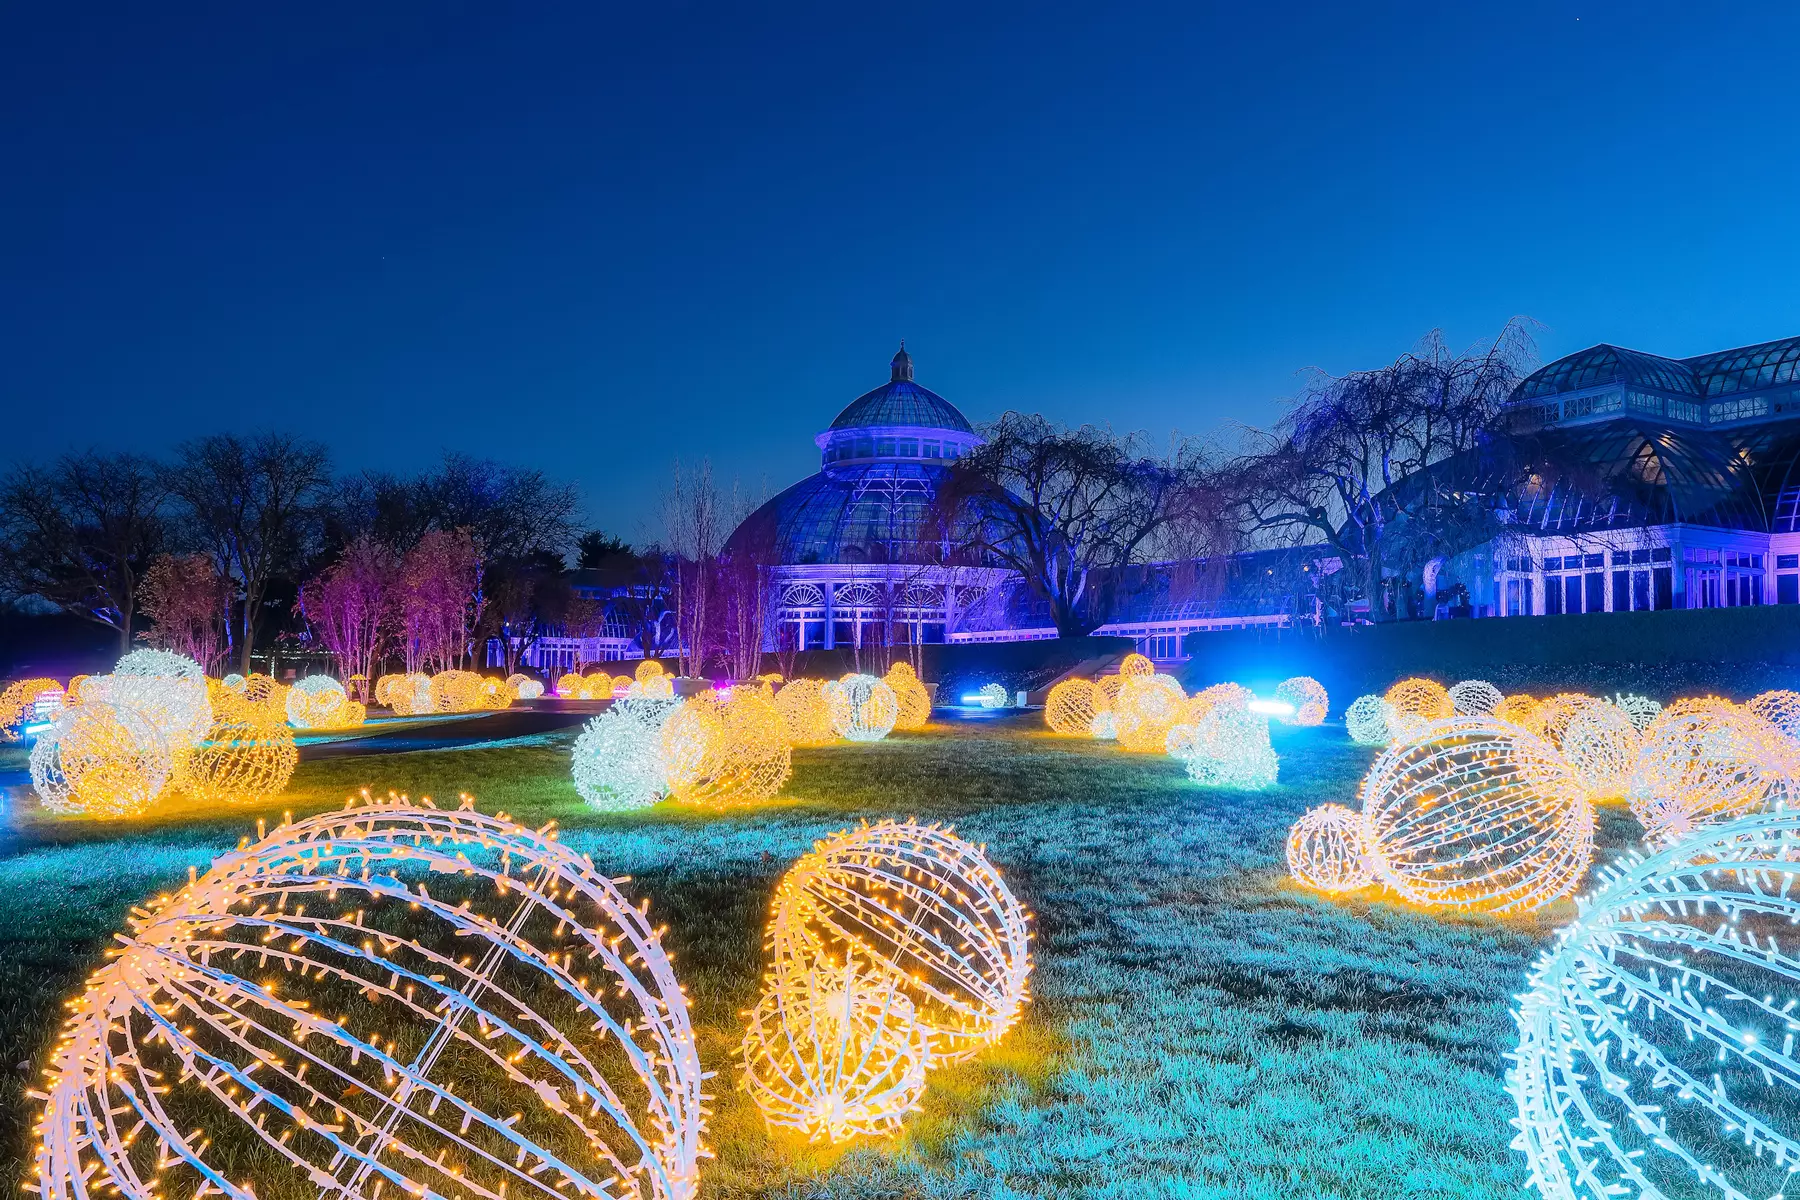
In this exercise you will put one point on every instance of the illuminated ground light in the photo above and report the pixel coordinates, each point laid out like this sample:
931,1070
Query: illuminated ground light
618,761
524,1036
1420,698
101,759
1069,708
1366,721
990,695
1656,1053
1474,698
805,713
19,707
1705,765
926,913
726,748
863,708
1327,851
1306,698
1477,814
835,1052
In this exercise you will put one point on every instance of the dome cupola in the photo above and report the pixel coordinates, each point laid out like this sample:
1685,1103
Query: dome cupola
897,421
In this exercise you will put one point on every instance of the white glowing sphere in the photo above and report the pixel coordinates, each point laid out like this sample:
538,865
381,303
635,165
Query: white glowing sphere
1103,727
1641,709
992,695
1704,764
1657,1052
618,759
101,758
1366,721
1308,698
863,708
168,688
1231,748
317,702
1475,698
235,682
1328,849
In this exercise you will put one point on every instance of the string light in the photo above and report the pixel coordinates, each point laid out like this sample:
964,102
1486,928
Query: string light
234,681
1656,1052
18,705
1069,708
168,688
727,748
390,996
925,913
805,713
1550,719
1780,708
319,702
655,686
1601,745
1641,709
102,759
1103,728
1477,814
1230,748
243,759
1516,709
1421,698
992,695
618,759
912,696
1704,764
863,708
1136,666
1366,721
835,1052
1327,850
1474,698
1146,708
649,669
1308,697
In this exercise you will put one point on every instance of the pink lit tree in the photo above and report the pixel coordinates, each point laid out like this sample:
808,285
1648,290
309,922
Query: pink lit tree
350,607
440,599
187,600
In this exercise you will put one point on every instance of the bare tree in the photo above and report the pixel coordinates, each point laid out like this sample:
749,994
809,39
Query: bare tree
741,586
80,533
254,505
692,521
1385,469
1068,508
352,606
527,599
186,600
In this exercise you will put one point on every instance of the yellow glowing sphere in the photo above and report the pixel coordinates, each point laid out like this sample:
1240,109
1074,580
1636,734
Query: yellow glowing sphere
1106,692
1475,698
495,694
569,685
911,695
1779,708
1477,814
410,695
385,1000
1136,666
835,1052
1516,709
1327,850
921,910
1307,697
1366,720
1146,708
319,702
1602,744
1420,698
863,708
18,704
726,748
805,713
1069,708
655,687
649,669
101,758
1551,719
242,759
457,692
1705,764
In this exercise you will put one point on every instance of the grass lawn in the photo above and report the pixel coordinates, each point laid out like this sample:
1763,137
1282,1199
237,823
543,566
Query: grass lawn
1200,1027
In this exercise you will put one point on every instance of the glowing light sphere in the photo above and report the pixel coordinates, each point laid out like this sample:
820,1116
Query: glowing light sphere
1106,692
1069,708
234,681
1550,719
1328,851
618,759
320,702
1641,709
1422,698
456,692
103,759
18,705
382,999
530,689
925,913
835,1052
1477,814
914,699
653,687
726,748
992,695
1103,728
1228,695
1308,697
1366,721
1602,745
649,669
1230,748
863,708
495,694
1136,666
1705,765
166,687
1779,708
569,685
1656,1052
410,695
243,759
1147,707
1516,709
1474,698
805,713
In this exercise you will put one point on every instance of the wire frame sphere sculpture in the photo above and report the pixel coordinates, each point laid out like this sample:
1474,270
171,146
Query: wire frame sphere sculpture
1230,748
1069,708
1106,691
992,695
1366,721
1656,1052
1516,709
1705,765
1550,720
912,696
1477,814
168,688
382,998
1641,709
242,759
1136,666
649,669
805,713
1307,697
618,759
18,705
1779,708
569,685
834,1051
1147,707
457,692
1421,698
1327,850
1601,745
1103,729
102,759
655,686
410,695
320,702
1227,695
1474,698
726,748
925,913
863,708
524,687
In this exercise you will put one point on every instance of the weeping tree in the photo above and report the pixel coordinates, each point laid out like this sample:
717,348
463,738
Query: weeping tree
1387,469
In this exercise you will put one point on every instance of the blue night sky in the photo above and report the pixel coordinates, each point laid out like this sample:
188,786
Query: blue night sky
594,239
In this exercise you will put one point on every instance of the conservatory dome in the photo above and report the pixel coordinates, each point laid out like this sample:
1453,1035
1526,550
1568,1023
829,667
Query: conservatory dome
882,460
